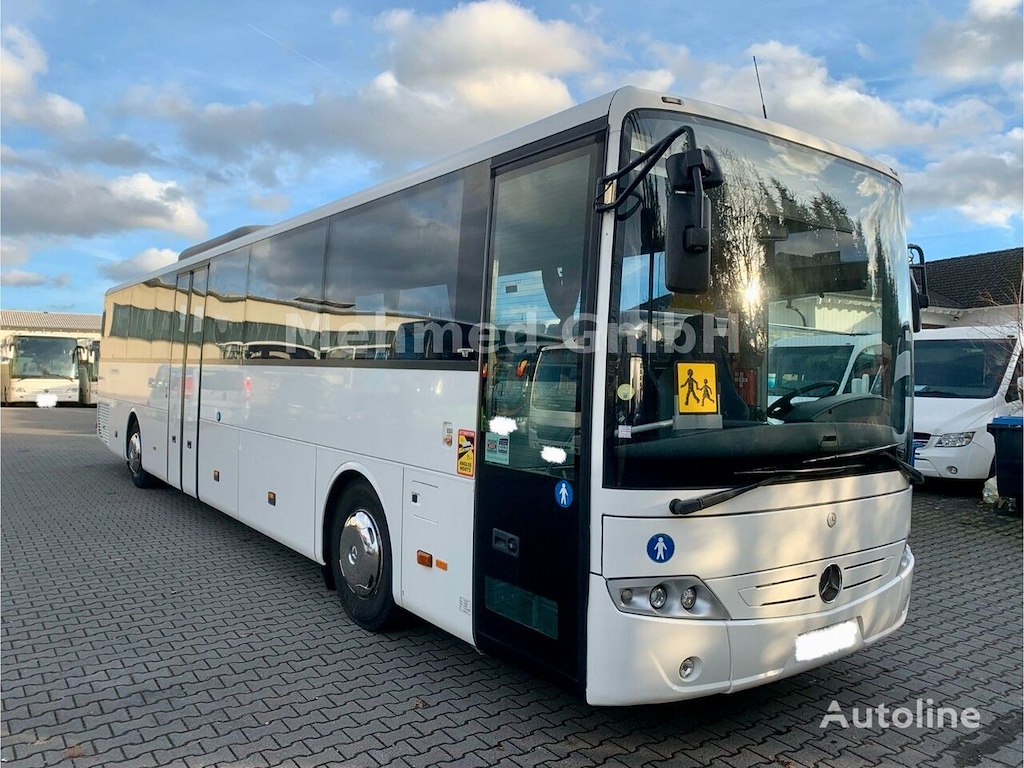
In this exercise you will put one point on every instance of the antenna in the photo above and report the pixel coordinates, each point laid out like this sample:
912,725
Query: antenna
763,110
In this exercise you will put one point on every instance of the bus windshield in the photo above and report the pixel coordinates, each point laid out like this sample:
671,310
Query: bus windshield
960,368
706,388
40,357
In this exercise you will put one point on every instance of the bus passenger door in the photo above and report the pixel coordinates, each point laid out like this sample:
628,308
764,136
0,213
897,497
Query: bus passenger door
185,371
531,528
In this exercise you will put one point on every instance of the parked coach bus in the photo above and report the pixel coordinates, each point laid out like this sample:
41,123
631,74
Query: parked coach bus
39,368
523,394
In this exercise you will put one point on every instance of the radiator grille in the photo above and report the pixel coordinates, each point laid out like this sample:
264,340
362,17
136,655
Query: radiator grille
103,421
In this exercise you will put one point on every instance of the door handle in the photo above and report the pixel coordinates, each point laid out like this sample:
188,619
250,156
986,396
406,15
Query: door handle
506,542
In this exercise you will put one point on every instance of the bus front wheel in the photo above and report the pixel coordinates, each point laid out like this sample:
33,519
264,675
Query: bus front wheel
361,558
140,477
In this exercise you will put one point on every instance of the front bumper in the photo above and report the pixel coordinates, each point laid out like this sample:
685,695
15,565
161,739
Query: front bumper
636,659
969,462
37,396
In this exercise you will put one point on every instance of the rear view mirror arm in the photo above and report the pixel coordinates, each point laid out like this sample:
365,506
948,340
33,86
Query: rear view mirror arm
649,159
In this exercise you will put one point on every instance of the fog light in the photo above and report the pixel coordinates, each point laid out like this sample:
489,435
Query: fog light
686,668
626,596
951,469
689,598
658,597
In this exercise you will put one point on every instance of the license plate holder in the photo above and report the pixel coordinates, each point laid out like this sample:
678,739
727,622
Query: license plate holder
827,641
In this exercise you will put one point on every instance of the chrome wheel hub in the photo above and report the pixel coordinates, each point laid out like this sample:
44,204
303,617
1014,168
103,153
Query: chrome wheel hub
359,550
135,453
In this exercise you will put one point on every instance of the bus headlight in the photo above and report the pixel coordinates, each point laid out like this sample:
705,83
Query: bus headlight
683,597
688,598
658,597
907,560
954,440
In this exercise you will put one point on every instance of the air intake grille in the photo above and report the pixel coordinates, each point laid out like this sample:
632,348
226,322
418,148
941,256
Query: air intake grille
103,421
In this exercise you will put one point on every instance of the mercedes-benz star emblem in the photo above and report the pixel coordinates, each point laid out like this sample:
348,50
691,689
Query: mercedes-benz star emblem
830,583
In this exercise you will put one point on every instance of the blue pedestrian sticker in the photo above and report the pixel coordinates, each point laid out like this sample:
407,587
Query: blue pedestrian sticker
660,548
563,493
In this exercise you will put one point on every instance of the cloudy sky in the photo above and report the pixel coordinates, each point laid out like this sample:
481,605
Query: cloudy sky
133,130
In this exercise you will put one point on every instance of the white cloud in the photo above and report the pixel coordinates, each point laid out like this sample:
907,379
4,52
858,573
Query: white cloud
140,264
22,60
993,9
340,16
448,81
986,45
168,102
494,56
983,181
17,278
865,51
270,203
76,203
800,91
12,252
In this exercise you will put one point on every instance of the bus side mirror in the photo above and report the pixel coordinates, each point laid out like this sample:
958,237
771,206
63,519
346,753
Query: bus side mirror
688,220
919,284
688,244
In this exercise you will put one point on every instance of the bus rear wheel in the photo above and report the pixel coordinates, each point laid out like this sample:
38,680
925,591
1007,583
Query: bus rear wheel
361,559
140,477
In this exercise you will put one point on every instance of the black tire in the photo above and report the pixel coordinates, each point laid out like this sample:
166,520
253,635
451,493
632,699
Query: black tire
360,542
133,453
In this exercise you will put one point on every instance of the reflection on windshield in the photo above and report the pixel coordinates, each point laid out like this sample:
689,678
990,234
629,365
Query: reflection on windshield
960,368
796,352
37,357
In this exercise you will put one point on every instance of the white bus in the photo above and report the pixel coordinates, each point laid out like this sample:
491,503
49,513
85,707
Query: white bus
612,266
39,368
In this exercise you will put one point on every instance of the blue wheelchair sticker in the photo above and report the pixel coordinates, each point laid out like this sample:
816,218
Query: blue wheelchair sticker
563,493
660,548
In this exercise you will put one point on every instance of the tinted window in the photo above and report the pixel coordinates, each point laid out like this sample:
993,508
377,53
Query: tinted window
225,304
541,237
284,289
404,273
121,313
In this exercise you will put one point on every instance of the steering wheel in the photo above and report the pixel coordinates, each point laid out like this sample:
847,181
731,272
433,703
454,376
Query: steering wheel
784,404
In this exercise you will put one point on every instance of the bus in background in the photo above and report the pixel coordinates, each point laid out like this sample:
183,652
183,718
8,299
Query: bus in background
88,356
963,379
584,469
40,368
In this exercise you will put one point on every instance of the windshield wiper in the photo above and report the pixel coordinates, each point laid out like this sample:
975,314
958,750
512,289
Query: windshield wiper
879,451
689,506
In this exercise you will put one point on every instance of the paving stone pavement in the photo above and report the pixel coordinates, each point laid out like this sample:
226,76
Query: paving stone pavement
142,628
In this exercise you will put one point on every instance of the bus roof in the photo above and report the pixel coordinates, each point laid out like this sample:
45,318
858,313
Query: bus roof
611,106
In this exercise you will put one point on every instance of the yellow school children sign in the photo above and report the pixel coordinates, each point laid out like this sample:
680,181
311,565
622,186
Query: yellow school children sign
698,387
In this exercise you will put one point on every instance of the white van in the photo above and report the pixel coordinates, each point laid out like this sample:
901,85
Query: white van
800,361
963,378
